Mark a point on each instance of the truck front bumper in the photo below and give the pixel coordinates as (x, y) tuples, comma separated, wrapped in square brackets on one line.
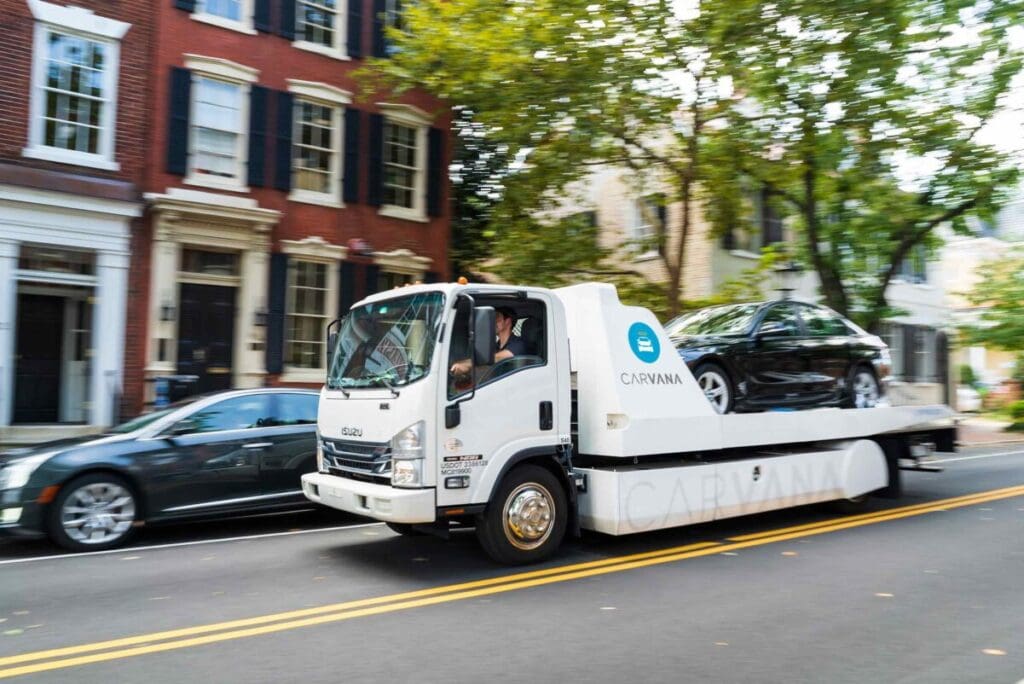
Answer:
[(380, 502)]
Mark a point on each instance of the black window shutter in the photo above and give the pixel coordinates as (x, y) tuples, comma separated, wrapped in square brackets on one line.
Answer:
[(372, 279), (431, 277), (257, 136), (283, 154), (355, 28), (287, 27), (909, 352), (275, 314), (350, 187), (177, 127), (346, 287), (435, 170), (728, 241), (376, 161), (261, 15), (380, 48), (187, 5)]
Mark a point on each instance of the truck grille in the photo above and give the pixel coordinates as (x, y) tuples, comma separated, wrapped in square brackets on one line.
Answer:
[(365, 461)]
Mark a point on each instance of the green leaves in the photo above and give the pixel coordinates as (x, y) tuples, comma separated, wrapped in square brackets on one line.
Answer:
[(999, 297)]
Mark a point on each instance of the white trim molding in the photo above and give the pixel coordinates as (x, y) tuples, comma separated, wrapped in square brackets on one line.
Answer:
[(314, 248), (222, 68), (323, 92), (78, 19), (402, 261), (409, 115)]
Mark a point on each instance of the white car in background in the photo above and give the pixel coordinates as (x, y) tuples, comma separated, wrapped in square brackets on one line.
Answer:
[(967, 399)]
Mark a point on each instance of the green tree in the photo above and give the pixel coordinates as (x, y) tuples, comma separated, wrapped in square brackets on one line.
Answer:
[(999, 297), (861, 117), (567, 86)]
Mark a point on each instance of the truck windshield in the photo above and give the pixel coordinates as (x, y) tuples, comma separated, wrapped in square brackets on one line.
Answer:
[(386, 343), (719, 320)]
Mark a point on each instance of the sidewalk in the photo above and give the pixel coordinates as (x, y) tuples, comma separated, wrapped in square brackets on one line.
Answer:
[(977, 431)]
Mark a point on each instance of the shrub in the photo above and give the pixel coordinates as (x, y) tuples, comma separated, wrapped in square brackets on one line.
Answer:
[(1017, 411), (967, 376)]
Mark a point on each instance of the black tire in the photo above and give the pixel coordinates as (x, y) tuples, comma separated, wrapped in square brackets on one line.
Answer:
[(404, 529), (860, 377), (515, 541), (113, 525), (721, 376)]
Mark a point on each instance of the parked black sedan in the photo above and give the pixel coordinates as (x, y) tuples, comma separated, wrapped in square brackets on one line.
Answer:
[(781, 354), (228, 453)]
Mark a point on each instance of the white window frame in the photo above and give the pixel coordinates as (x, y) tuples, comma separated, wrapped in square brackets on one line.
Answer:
[(403, 262), (243, 25), (326, 96), (80, 23), (339, 50), (242, 76), (637, 223), (413, 117), (315, 250)]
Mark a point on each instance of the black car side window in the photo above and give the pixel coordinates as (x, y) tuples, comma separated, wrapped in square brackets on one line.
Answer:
[(237, 413), (822, 323), (780, 321), (296, 409)]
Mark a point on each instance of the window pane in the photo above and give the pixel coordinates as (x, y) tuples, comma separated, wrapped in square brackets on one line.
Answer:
[(296, 409), (234, 414), (228, 9), (73, 93)]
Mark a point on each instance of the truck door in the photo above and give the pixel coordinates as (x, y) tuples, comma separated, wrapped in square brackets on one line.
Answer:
[(512, 409)]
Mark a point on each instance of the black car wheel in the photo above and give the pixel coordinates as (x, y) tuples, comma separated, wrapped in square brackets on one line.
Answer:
[(93, 512), (715, 384), (864, 390)]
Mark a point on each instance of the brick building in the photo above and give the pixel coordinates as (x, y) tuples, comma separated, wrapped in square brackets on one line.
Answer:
[(74, 86), (276, 194)]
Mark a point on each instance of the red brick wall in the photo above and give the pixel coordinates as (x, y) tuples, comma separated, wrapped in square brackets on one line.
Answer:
[(17, 35)]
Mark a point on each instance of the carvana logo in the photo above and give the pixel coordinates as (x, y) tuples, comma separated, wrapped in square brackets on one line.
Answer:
[(644, 342)]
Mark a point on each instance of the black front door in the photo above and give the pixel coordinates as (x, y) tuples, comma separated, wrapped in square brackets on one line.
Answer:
[(37, 368), (206, 327)]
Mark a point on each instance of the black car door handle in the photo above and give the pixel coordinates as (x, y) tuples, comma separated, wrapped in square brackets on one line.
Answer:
[(257, 445)]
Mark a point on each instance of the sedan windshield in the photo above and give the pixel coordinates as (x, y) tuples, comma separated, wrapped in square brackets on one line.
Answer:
[(720, 320), (386, 343)]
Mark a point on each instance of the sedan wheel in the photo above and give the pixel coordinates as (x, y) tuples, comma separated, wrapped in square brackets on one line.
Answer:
[(865, 389), (93, 512), (716, 387)]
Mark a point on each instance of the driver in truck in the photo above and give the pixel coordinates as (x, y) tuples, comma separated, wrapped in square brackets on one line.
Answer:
[(509, 344)]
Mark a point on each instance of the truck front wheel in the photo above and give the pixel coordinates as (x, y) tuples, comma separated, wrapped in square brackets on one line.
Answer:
[(526, 519)]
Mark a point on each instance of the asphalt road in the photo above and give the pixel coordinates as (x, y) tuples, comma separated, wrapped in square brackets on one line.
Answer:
[(926, 588)]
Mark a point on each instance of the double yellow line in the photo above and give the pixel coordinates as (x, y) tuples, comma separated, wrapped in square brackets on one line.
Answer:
[(157, 642)]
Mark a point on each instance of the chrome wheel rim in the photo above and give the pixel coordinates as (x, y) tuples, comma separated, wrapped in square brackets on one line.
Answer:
[(529, 514), (98, 513), (716, 389), (865, 390)]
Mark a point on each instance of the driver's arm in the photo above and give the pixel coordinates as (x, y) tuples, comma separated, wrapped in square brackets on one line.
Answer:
[(502, 355)]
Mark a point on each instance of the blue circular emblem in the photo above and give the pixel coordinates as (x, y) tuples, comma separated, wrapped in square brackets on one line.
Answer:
[(644, 342)]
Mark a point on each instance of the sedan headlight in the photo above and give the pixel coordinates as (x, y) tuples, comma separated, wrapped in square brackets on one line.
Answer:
[(407, 456), (17, 473)]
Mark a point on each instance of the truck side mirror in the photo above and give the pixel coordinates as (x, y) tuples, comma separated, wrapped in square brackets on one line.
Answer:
[(484, 344), (332, 340)]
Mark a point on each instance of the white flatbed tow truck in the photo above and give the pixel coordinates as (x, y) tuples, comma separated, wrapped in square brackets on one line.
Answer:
[(596, 423)]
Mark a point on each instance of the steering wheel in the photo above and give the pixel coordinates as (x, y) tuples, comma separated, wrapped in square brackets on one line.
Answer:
[(508, 365)]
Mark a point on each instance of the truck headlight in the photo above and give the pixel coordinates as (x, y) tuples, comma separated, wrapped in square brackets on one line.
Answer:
[(320, 467), (407, 456), (17, 473)]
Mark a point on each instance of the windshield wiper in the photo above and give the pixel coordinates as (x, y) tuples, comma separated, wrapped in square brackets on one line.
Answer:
[(384, 381)]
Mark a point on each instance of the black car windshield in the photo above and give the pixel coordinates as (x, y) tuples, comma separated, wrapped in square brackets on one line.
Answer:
[(145, 419), (719, 320), (386, 343)]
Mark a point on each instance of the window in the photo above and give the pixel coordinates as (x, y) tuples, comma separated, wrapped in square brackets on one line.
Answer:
[(315, 158), (388, 280), (218, 131), (238, 413), (296, 409), (56, 260), (757, 226), (225, 9), (401, 165), (782, 321), (647, 226), (307, 315), (913, 269), (209, 263), (316, 22), (820, 322)]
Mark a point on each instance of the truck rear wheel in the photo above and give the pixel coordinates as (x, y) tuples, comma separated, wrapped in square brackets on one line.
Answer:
[(526, 519)]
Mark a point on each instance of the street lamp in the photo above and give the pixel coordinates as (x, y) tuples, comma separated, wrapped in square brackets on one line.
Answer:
[(788, 272)]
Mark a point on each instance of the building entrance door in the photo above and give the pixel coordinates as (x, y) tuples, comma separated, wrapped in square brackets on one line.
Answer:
[(38, 356), (206, 327)]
